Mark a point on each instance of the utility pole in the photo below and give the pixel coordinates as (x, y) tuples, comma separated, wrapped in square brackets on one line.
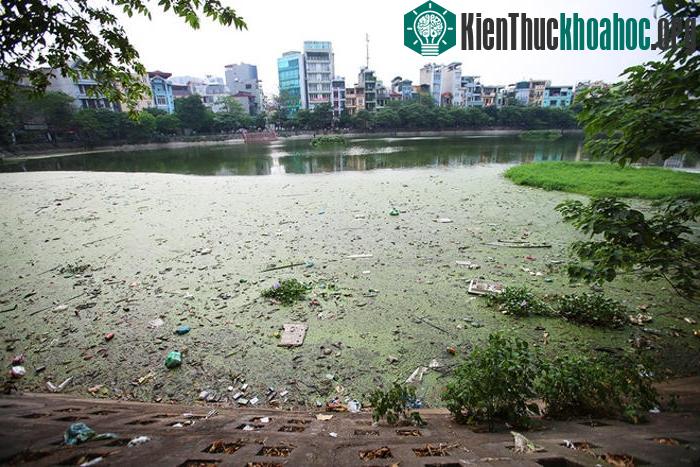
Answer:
[(367, 42)]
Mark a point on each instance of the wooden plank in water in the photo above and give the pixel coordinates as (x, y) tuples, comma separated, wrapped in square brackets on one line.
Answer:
[(293, 335)]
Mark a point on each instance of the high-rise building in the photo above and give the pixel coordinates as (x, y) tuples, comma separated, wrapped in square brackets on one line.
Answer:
[(242, 81), (319, 68), (306, 78), (292, 82)]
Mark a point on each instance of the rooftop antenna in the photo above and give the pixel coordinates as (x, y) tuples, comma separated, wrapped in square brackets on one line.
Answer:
[(367, 41)]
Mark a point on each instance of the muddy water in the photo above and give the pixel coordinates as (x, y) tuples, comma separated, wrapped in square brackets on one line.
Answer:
[(298, 157), (191, 250)]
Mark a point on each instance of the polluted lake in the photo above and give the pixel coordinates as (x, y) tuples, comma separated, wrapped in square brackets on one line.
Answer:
[(125, 277)]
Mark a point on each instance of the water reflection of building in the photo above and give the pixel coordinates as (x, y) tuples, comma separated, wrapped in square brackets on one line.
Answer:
[(549, 155)]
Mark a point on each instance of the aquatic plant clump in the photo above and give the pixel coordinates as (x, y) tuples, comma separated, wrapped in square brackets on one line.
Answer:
[(519, 301), (540, 135), (328, 141), (286, 291), (593, 309)]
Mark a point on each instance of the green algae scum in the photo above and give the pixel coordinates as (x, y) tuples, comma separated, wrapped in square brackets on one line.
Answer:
[(101, 243)]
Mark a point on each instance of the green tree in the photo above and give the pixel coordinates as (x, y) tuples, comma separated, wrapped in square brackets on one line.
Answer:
[(54, 109), (232, 117), (302, 119), (193, 114), (321, 117), (84, 38), (363, 120), (155, 111), (344, 121), (168, 124), (387, 119), (653, 112), (91, 126), (260, 120)]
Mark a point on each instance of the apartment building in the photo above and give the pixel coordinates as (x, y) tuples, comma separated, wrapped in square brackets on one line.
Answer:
[(319, 69), (161, 91), (338, 95), (243, 83), (292, 81), (83, 91), (557, 96)]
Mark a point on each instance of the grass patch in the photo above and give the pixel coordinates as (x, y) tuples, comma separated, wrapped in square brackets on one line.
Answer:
[(607, 180)]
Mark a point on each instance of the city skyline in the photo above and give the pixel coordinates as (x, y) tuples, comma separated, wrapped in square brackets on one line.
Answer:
[(388, 57)]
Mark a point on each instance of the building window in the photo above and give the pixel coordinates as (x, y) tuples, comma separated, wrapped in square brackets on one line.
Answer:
[(160, 100)]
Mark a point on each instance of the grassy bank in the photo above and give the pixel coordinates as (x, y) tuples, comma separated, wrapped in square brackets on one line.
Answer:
[(603, 179)]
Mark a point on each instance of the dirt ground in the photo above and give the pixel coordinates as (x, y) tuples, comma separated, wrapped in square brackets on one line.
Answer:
[(122, 250)]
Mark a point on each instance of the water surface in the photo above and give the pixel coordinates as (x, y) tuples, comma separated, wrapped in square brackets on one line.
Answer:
[(299, 157)]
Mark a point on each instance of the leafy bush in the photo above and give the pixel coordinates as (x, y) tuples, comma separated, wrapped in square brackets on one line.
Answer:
[(287, 291), (518, 301), (592, 309), (493, 383), (497, 380), (578, 385), (393, 404)]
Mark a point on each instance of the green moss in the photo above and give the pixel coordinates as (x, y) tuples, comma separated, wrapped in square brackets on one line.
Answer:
[(603, 179)]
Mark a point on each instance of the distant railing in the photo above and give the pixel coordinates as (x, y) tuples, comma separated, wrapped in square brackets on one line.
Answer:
[(259, 136)]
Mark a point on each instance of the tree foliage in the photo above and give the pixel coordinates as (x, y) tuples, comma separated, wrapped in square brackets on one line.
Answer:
[(53, 109), (654, 111), (193, 113), (494, 382), (394, 405), (85, 38), (423, 114), (623, 240)]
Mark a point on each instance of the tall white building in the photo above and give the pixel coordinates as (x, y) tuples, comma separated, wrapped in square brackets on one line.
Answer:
[(319, 67)]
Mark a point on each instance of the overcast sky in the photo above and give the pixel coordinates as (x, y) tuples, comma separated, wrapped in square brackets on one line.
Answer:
[(168, 44)]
